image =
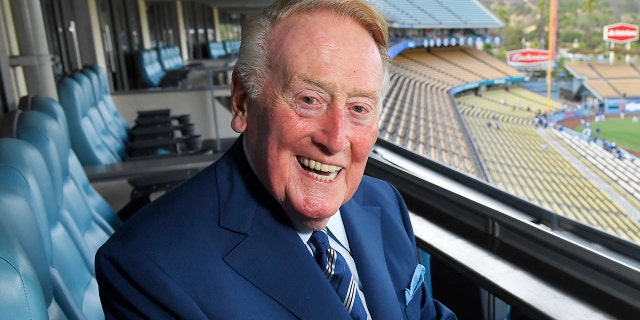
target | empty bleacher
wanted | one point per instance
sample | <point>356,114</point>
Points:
<point>603,88</point>
<point>422,119</point>
<point>433,13</point>
<point>468,61</point>
<point>517,105</point>
<point>492,61</point>
<point>628,87</point>
<point>623,174</point>
<point>582,69</point>
<point>522,162</point>
<point>521,94</point>
<point>420,115</point>
<point>609,80</point>
<point>614,70</point>
<point>422,57</point>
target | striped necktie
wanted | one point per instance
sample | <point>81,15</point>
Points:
<point>337,271</point>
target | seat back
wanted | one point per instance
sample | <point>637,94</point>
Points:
<point>105,113</point>
<point>74,285</point>
<point>85,139</point>
<point>112,141</point>
<point>22,295</point>
<point>216,50</point>
<point>108,100</point>
<point>170,58</point>
<point>149,67</point>
<point>95,201</point>
<point>43,132</point>
<point>232,47</point>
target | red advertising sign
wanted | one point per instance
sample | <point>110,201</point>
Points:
<point>620,32</point>
<point>527,57</point>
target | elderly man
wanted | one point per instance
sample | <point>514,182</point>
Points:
<point>284,225</point>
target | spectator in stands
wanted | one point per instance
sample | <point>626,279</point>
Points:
<point>232,242</point>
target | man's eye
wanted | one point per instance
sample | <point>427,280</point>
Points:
<point>309,100</point>
<point>359,109</point>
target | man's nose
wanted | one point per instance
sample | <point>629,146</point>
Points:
<point>334,130</point>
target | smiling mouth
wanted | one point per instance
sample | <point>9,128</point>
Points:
<point>319,170</point>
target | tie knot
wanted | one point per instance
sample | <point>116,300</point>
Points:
<point>320,240</point>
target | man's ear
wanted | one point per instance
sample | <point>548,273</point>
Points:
<point>239,103</point>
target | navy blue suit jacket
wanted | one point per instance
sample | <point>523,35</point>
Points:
<point>220,247</point>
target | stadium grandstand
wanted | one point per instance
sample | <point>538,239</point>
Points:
<point>491,133</point>
<point>441,15</point>
<point>515,215</point>
<point>607,84</point>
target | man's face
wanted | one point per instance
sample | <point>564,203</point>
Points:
<point>310,131</point>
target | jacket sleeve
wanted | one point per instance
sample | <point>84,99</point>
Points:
<point>133,287</point>
<point>430,309</point>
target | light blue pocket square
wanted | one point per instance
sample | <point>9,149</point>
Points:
<point>416,282</point>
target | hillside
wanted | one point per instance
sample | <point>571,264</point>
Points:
<point>579,21</point>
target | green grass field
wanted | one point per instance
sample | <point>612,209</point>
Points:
<point>621,131</point>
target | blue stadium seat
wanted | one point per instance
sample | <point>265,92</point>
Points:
<point>232,47</point>
<point>173,64</point>
<point>111,140</point>
<point>170,58</point>
<point>98,133</point>
<point>151,72</point>
<point>85,139</point>
<point>150,68</point>
<point>87,228</point>
<point>216,50</point>
<point>24,171</point>
<point>110,120</point>
<point>48,136</point>
<point>26,293</point>
<point>108,100</point>
<point>53,109</point>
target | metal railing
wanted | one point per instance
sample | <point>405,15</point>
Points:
<point>542,264</point>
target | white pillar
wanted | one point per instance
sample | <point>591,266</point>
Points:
<point>35,59</point>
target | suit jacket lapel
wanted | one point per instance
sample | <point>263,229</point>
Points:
<point>275,260</point>
<point>363,227</point>
<point>271,256</point>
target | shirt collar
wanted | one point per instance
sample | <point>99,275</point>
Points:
<point>336,226</point>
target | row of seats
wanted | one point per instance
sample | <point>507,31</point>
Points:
<point>99,134</point>
<point>622,172</point>
<point>224,49</point>
<point>162,67</point>
<point>170,58</point>
<point>52,221</point>
<point>520,160</point>
<point>420,116</point>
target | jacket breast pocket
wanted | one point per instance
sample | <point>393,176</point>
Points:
<point>413,294</point>
<point>413,309</point>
